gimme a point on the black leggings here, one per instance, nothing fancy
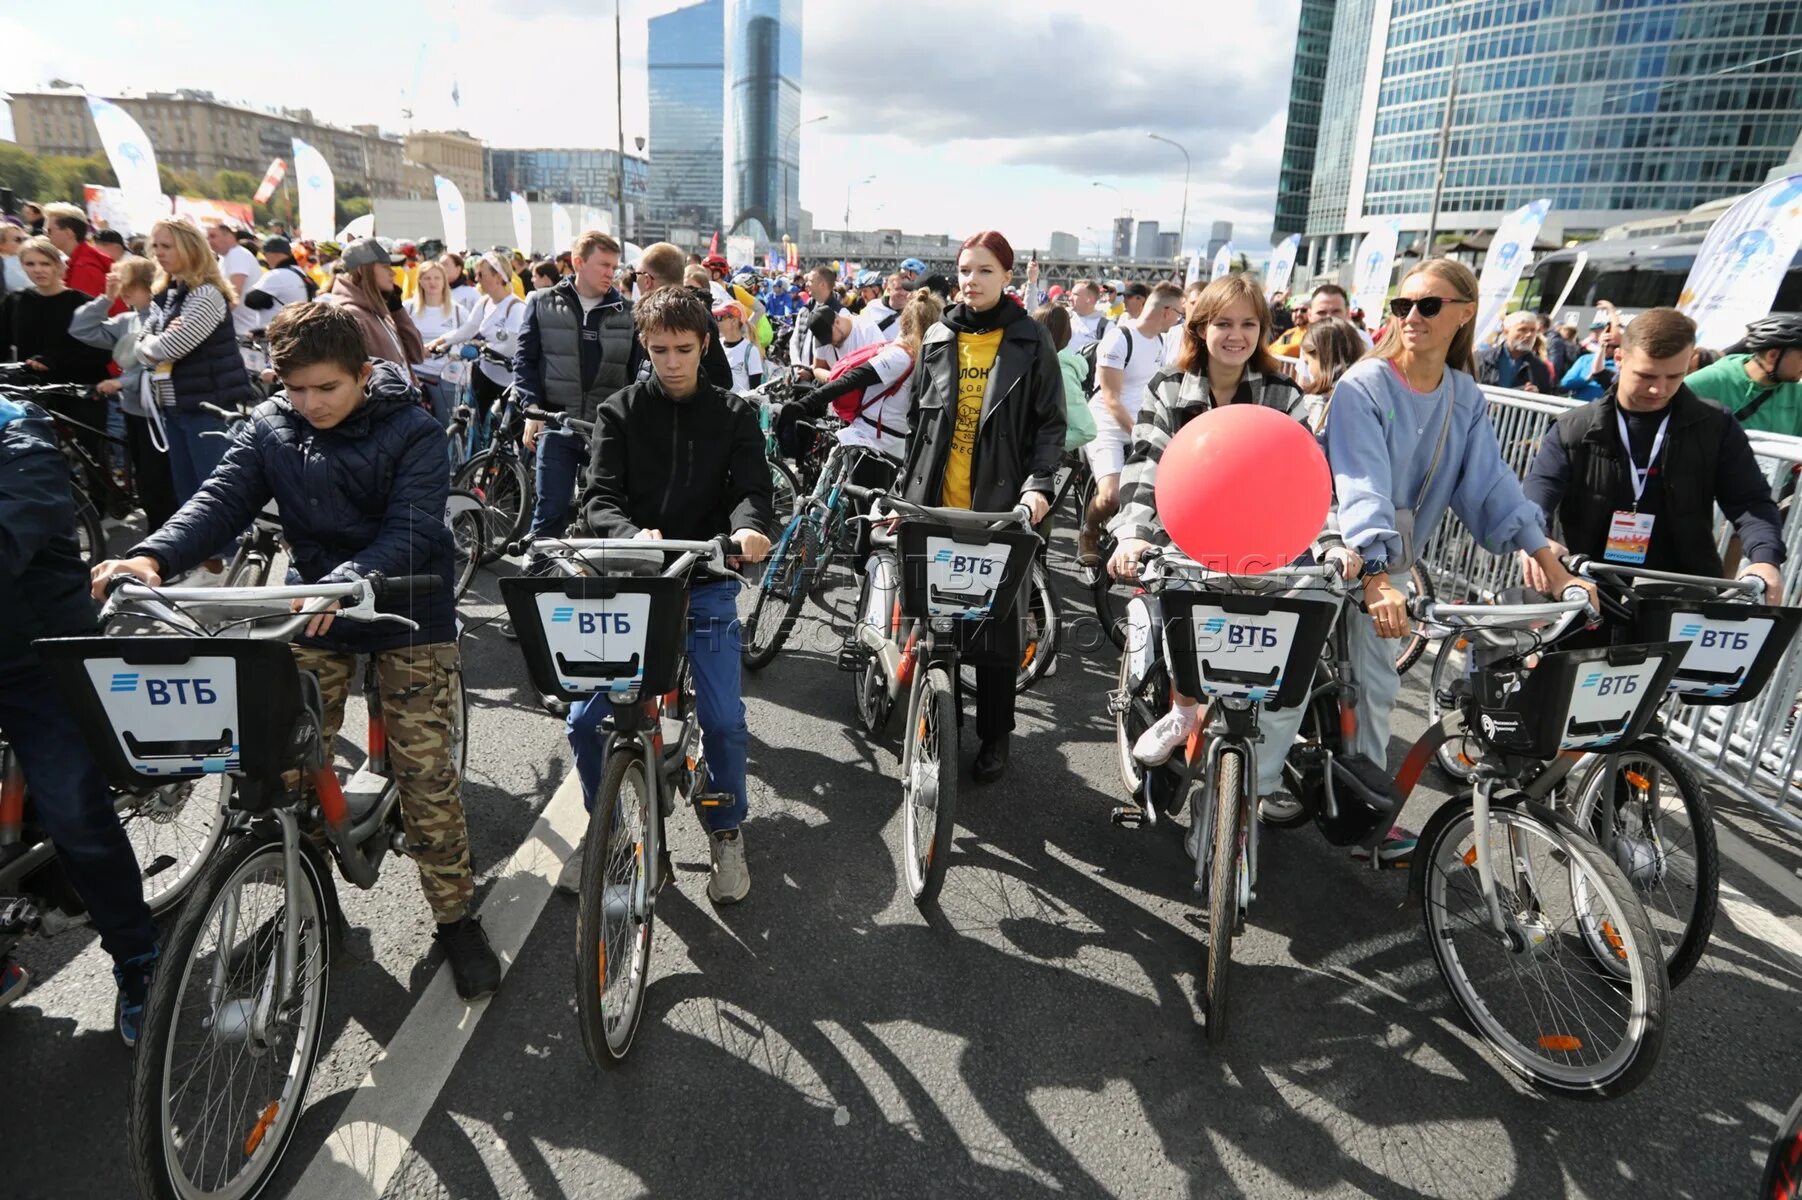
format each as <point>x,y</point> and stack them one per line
<point>150,472</point>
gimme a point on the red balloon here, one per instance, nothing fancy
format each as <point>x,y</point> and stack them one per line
<point>1243,489</point>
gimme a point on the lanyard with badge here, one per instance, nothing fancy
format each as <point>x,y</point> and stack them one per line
<point>1630,531</point>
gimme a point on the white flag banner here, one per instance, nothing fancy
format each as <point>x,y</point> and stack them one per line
<point>359,228</point>
<point>522,223</point>
<point>452,213</point>
<point>1742,261</point>
<point>1282,266</point>
<point>133,159</point>
<point>741,251</point>
<point>1375,263</point>
<point>1570,284</point>
<point>1223,262</point>
<point>563,234</point>
<point>313,179</point>
<point>1194,273</point>
<point>1510,250</point>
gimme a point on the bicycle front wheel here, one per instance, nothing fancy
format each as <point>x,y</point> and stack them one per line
<point>1662,838</point>
<point>469,533</point>
<point>788,498</point>
<point>778,604</point>
<point>613,924</point>
<point>1570,1020</point>
<point>223,1062</point>
<point>90,535</point>
<point>501,483</point>
<point>930,789</point>
<point>1229,807</point>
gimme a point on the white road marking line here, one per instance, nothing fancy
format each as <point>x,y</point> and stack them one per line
<point>361,1156</point>
<point>1762,866</point>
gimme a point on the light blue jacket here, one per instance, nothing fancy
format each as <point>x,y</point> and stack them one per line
<point>91,326</point>
<point>1380,436</point>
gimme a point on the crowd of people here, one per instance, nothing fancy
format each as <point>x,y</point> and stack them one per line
<point>974,387</point>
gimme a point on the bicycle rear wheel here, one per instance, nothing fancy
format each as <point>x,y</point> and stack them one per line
<point>1663,841</point>
<point>469,533</point>
<point>503,485</point>
<point>788,489</point>
<point>1417,584</point>
<point>778,604</point>
<point>1229,808</point>
<point>1460,753</point>
<point>1135,712</point>
<point>1538,992</point>
<point>90,534</point>
<point>173,830</point>
<point>613,924</point>
<point>929,792</point>
<point>1042,622</point>
<point>222,1066</point>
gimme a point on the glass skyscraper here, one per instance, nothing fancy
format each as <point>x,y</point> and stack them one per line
<point>763,110</point>
<point>686,71</point>
<point>1307,85</point>
<point>1612,110</point>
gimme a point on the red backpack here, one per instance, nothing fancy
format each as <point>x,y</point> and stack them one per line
<point>853,405</point>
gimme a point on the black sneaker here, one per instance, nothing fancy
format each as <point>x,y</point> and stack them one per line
<point>552,705</point>
<point>991,760</point>
<point>473,964</point>
<point>133,978</point>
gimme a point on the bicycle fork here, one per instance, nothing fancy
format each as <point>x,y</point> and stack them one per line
<point>251,1021</point>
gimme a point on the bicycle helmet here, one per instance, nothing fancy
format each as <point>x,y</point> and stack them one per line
<point>868,279</point>
<point>1779,331</point>
<point>914,265</point>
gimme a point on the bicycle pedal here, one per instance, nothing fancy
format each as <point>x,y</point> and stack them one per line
<point>853,657</point>
<point>1128,816</point>
<point>1118,701</point>
<point>19,915</point>
<point>715,800</point>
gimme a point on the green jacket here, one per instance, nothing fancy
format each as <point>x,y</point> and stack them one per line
<point>1758,406</point>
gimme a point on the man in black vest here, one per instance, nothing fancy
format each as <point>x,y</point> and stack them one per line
<point>1635,476</point>
<point>576,348</point>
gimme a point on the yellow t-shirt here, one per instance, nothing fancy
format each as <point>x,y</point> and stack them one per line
<point>1288,345</point>
<point>975,360</point>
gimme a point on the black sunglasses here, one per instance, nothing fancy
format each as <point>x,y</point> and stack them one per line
<point>1401,306</point>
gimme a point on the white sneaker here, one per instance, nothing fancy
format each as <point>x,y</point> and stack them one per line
<point>1279,807</point>
<point>1157,744</point>
<point>731,879</point>
<point>569,879</point>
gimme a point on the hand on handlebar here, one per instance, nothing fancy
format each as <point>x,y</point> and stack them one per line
<point>319,624</point>
<point>143,568</point>
<point>1772,578</point>
<point>1125,563</point>
<point>756,547</point>
<point>1037,505</point>
<point>1556,580</point>
<point>1349,561</point>
<point>1535,572</point>
<point>529,435</point>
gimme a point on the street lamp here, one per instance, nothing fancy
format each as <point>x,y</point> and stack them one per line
<point>859,183</point>
<point>787,138</point>
<point>1182,237</point>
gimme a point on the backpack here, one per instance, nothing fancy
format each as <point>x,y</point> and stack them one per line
<point>853,405</point>
<point>1091,381</point>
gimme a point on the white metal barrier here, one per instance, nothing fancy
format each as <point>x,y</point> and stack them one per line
<point>1753,750</point>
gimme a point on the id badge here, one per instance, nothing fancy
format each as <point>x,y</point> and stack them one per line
<point>1629,538</point>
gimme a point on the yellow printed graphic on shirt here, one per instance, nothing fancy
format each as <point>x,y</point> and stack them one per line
<point>975,361</point>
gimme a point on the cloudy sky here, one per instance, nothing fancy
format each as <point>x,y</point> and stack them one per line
<point>1006,120</point>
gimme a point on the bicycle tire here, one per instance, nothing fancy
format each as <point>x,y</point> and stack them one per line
<point>603,931</point>
<point>787,585</point>
<point>249,568</point>
<point>1651,867</point>
<point>786,483</point>
<point>1783,1167</point>
<point>1043,629</point>
<point>870,682</point>
<point>90,534</point>
<point>929,792</point>
<point>152,1143</point>
<point>1638,985</point>
<point>153,820</point>
<point>456,444</point>
<point>468,528</point>
<point>1419,585</point>
<point>504,487</point>
<point>1229,809</point>
<point>1459,755</point>
<point>1140,710</point>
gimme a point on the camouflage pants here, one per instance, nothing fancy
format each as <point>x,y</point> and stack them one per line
<point>419,688</point>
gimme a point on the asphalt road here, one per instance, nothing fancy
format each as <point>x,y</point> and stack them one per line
<point>1038,1036</point>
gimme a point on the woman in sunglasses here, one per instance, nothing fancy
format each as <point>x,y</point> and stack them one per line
<point>1408,437</point>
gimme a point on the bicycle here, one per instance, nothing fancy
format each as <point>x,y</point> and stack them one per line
<point>611,621</point>
<point>234,1017</point>
<point>803,553</point>
<point>768,397</point>
<point>1234,642</point>
<point>500,475</point>
<point>952,568</point>
<point>1641,802</point>
<point>1569,989</point>
<point>93,485</point>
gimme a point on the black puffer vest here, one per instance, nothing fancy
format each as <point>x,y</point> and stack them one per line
<point>212,372</point>
<point>560,340</point>
<point>1601,481</point>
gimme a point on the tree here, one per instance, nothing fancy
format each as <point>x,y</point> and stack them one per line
<point>235,185</point>
<point>65,177</point>
<point>351,207</point>
<point>21,171</point>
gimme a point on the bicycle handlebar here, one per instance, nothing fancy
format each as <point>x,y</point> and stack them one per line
<point>967,518</point>
<point>1159,560</point>
<point>1749,585</point>
<point>356,600</point>
<point>557,420</point>
<point>594,550</point>
<point>228,415</point>
<point>1567,610</point>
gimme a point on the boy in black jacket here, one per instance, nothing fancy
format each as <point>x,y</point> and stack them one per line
<point>677,457</point>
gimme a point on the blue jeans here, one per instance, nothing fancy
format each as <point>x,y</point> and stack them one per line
<point>713,657</point>
<point>70,800</point>
<point>562,453</point>
<point>192,456</point>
